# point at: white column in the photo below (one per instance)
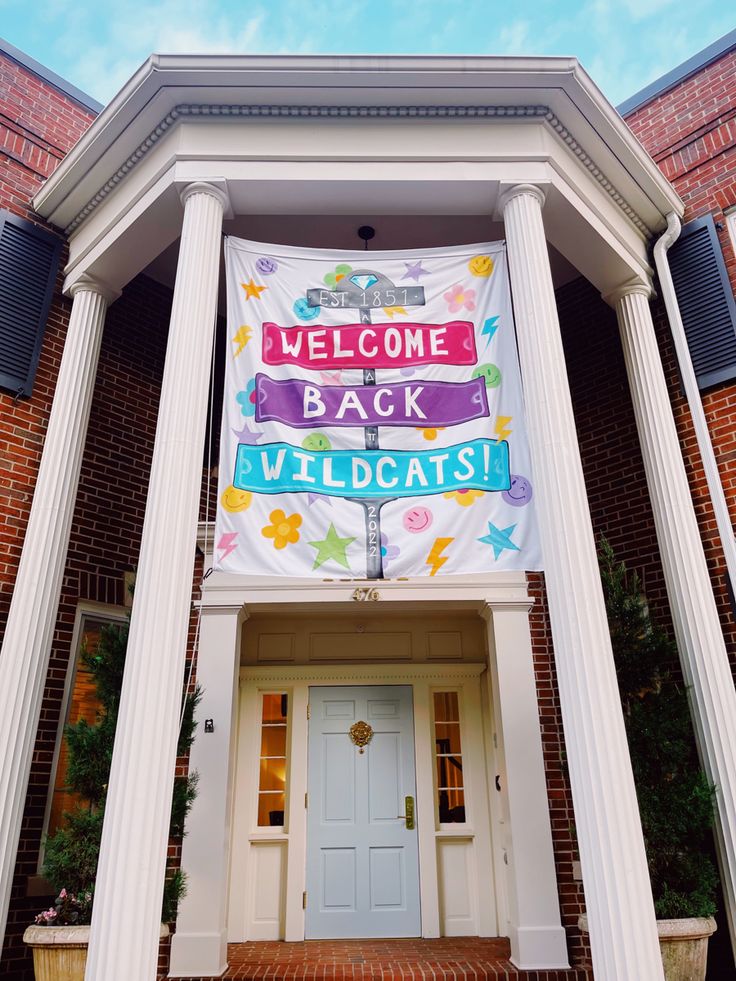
(30, 625)
(199, 946)
(537, 938)
(127, 910)
(618, 895)
(694, 613)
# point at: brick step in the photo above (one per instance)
(383, 960)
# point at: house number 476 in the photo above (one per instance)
(361, 594)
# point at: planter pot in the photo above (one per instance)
(60, 953)
(684, 946)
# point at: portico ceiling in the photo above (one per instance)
(416, 136)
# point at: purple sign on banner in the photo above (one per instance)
(417, 403)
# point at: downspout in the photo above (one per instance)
(692, 394)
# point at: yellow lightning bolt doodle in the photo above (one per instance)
(392, 311)
(501, 428)
(436, 559)
(242, 337)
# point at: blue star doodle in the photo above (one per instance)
(499, 539)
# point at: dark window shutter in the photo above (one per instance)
(706, 301)
(29, 259)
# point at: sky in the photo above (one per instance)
(623, 44)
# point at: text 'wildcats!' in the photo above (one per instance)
(373, 422)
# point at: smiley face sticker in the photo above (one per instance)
(317, 443)
(235, 500)
(417, 519)
(303, 310)
(266, 266)
(519, 493)
(490, 373)
(481, 265)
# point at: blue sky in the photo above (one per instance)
(624, 44)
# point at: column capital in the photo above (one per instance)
(87, 283)
(508, 191)
(213, 606)
(631, 288)
(494, 608)
(215, 188)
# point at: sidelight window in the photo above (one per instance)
(272, 779)
(448, 758)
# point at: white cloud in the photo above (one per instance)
(514, 38)
(105, 54)
(639, 10)
(623, 43)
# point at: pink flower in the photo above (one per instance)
(459, 298)
(63, 894)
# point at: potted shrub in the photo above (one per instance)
(60, 934)
(59, 938)
(674, 795)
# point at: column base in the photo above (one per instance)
(198, 955)
(539, 948)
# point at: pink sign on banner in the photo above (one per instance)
(370, 345)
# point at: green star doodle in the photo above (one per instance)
(331, 547)
(499, 539)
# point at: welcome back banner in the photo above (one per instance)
(373, 420)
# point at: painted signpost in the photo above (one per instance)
(366, 290)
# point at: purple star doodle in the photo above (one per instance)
(311, 498)
(247, 436)
(414, 270)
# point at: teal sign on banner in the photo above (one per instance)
(279, 468)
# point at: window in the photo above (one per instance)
(29, 259)
(272, 778)
(731, 225)
(449, 758)
(81, 703)
(706, 301)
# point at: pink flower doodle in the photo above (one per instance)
(458, 298)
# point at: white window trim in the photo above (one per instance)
(85, 609)
(730, 217)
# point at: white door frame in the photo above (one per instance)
(297, 680)
(525, 879)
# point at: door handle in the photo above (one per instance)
(409, 816)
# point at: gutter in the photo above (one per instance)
(692, 394)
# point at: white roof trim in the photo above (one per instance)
(319, 85)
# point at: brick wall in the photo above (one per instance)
(105, 536)
(690, 131)
(38, 126)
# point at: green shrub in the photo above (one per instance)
(71, 854)
(675, 797)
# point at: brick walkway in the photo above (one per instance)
(383, 960)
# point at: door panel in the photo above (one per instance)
(362, 861)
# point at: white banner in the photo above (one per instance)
(373, 421)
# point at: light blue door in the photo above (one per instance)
(362, 860)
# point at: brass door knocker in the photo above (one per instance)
(361, 734)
